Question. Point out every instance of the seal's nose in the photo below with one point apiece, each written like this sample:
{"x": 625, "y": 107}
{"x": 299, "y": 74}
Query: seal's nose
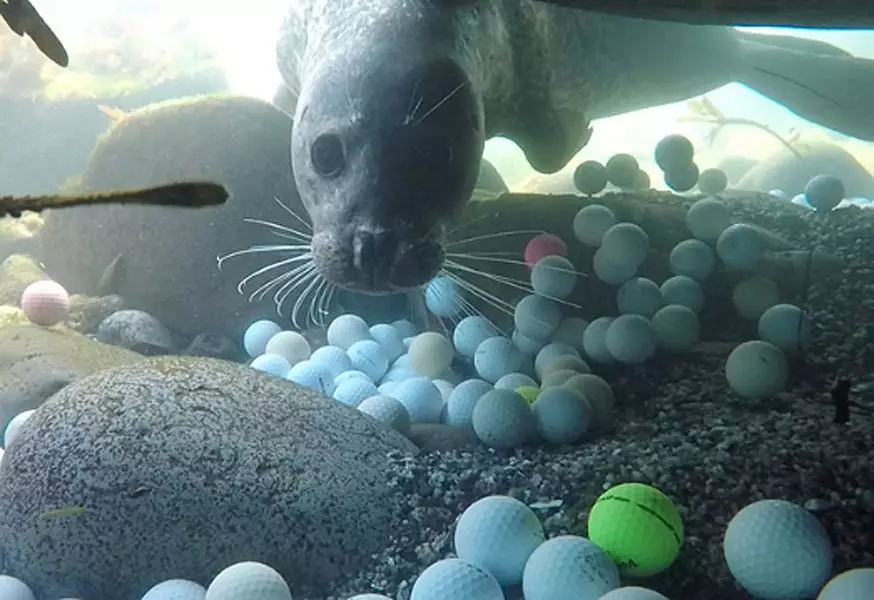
{"x": 384, "y": 261}
{"x": 373, "y": 254}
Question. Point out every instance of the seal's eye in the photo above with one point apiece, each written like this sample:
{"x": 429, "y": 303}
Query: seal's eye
{"x": 326, "y": 155}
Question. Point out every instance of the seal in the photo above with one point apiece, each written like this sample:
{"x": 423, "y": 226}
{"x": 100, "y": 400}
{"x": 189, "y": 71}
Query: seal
{"x": 393, "y": 100}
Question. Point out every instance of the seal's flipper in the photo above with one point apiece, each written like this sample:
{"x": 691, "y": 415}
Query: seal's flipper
{"x": 831, "y": 89}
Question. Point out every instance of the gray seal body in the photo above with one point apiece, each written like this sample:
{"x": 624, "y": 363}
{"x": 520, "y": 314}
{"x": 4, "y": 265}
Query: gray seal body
{"x": 393, "y": 99}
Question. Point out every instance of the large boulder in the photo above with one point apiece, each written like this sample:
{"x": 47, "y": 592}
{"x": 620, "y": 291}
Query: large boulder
{"x": 167, "y": 264}
{"x": 36, "y": 362}
{"x": 179, "y": 467}
{"x": 787, "y": 172}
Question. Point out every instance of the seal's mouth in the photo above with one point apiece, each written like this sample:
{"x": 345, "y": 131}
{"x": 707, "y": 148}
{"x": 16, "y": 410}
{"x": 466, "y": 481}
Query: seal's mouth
{"x": 376, "y": 260}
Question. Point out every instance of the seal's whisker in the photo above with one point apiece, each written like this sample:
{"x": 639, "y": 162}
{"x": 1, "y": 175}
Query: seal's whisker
{"x": 411, "y": 109}
{"x": 262, "y": 291}
{"x": 320, "y": 309}
{"x": 282, "y": 231}
{"x": 508, "y": 281}
{"x": 494, "y": 236}
{"x": 293, "y": 213}
{"x": 293, "y": 281}
{"x": 440, "y": 103}
{"x": 315, "y": 280}
{"x": 487, "y": 297}
{"x": 260, "y": 250}
{"x": 269, "y": 267}
{"x": 508, "y": 261}
{"x": 467, "y": 224}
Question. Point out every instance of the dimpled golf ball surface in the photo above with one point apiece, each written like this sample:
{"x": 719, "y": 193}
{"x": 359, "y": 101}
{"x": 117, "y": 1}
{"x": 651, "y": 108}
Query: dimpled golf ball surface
{"x": 257, "y": 335}
{"x": 463, "y": 399}
{"x": 388, "y": 411}
{"x": 632, "y": 592}
{"x": 537, "y": 317}
{"x": 368, "y": 357}
{"x": 248, "y": 581}
{"x": 442, "y": 297}
{"x": 553, "y": 277}
{"x": 470, "y": 333}
{"x": 14, "y": 425}
{"x": 498, "y": 533}
{"x": 314, "y": 376}
{"x": 353, "y": 390}
{"x": 14, "y": 589}
{"x": 568, "y": 567}
{"x": 563, "y": 415}
{"x": 456, "y": 579}
{"x": 347, "y": 329}
{"x": 855, "y": 584}
{"x": 421, "y": 398}
{"x": 176, "y": 589}
{"x": 334, "y": 358}
{"x": 778, "y": 550}
{"x": 496, "y": 357}
{"x": 502, "y": 419}
{"x": 824, "y": 192}
{"x": 590, "y": 177}
{"x": 272, "y": 364}
{"x": 369, "y": 597}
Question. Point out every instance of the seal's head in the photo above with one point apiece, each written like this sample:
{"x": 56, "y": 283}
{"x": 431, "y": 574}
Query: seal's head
{"x": 386, "y": 146}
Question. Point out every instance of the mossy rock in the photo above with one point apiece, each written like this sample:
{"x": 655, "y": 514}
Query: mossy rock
{"x": 168, "y": 255}
{"x": 785, "y": 171}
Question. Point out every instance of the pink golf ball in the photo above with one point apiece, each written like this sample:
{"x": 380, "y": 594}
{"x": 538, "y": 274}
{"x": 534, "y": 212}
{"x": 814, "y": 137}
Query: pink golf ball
{"x": 545, "y": 244}
{"x": 45, "y": 303}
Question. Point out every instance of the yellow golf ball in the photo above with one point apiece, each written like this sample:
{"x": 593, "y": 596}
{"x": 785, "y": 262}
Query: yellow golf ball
{"x": 528, "y": 392}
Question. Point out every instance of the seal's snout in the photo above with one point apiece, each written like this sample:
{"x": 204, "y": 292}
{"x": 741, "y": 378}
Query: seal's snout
{"x": 376, "y": 260}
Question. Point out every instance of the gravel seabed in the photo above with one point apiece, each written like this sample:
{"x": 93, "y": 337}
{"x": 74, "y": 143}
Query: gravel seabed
{"x": 680, "y": 428}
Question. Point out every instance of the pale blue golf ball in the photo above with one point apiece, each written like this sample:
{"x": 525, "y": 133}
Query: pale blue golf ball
{"x": 421, "y": 398}
{"x": 740, "y": 247}
{"x": 334, "y": 358}
{"x": 405, "y": 328}
{"x": 824, "y": 192}
{"x": 354, "y": 390}
{"x": 257, "y": 335}
{"x": 499, "y": 533}
{"x": 390, "y": 339}
{"x": 456, "y": 579}
{"x": 529, "y": 346}
{"x": 549, "y": 353}
{"x": 855, "y": 584}
{"x": 553, "y": 277}
{"x": 470, "y": 333}
{"x": 272, "y": 364}
{"x": 388, "y": 411}
{"x": 513, "y": 381}
{"x": 176, "y": 589}
{"x": 313, "y": 375}
{"x": 563, "y": 415}
{"x": 684, "y": 291}
{"x": 569, "y": 567}
{"x": 462, "y": 400}
{"x": 369, "y": 357}
{"x": 633, "y": 592}
{"x": 442, "y": 297}
{"x": 496, "y": 357}
{"x": 778, "y": 550}
{"x": 351, "y": 374}
{"x": 537, "y": 317}
{"x": 347, "y": 329}
{"x": 14, "y": 426}
{"x": 502, "y": 419}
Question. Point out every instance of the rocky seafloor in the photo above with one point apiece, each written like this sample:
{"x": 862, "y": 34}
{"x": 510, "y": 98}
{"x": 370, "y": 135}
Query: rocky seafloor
{"x": 679, "y": 427}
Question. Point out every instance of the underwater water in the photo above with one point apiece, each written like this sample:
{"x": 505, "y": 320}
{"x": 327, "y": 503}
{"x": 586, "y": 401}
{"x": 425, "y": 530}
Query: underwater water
{"x": 342, "y": 314}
